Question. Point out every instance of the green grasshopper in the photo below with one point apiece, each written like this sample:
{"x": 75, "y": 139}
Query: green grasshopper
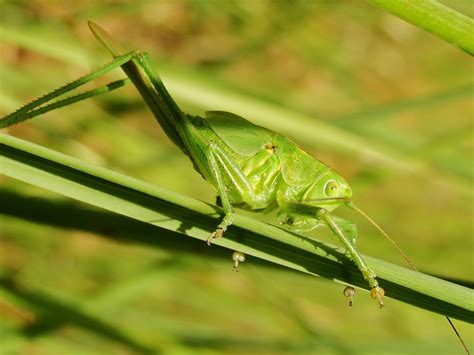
{"x": 250, "y": 167}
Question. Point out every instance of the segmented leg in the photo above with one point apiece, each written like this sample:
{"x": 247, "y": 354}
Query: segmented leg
{"x": 44, "y": 104}
{"x": 376, "y": 291}
{"x": 348, "y": 228}
{"x": 335, "y": 225}
{"x": 229, "y": 213}
{"x": 222, "y": 167}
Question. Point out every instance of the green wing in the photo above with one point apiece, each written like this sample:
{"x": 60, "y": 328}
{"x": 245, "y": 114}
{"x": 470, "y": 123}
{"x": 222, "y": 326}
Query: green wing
{"x": 240, "y": 135}
{"x": 297, "y": 167}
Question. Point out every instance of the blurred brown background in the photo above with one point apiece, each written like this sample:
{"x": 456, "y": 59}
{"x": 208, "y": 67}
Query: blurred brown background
{"x": 402, "y": 96}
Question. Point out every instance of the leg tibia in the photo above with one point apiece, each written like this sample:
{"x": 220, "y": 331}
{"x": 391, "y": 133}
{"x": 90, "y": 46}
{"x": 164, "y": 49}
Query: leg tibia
{"x": 346, "y": 232}
{"x": 223, "y": 195}
{"x": 369, "y": 275}
{"x": 43, "y": 104}
{"x": 347, "y": 227}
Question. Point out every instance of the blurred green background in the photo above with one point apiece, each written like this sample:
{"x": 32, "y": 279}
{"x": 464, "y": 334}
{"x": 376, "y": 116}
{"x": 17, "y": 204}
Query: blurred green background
{"x": 74, "y": 286}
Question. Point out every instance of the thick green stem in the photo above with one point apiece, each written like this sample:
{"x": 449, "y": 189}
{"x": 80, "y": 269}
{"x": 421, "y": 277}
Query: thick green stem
{"x": 166, "y": 210}
{"x": 434, "y": 17}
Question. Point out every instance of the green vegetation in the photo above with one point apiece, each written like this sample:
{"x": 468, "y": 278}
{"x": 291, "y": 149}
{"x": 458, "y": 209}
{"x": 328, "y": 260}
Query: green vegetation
{"x": 386, "y": 104}
{"x": 434, "y": 17}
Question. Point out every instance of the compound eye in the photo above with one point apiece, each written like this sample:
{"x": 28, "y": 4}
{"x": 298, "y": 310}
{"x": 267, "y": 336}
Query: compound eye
{"x": 332, "y": 188}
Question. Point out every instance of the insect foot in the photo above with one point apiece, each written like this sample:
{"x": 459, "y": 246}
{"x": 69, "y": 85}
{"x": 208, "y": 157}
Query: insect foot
{"x": 349, "y": 292}
{"x": 217, "y": 234}
{"x": 377, "y": 293}
{"x": 221, "y": 228}
{"x": 237, "y": 257}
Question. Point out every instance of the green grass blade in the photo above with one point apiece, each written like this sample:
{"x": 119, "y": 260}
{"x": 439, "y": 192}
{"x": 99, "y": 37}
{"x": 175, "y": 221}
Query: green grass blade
{"x": 385, "y": 112}
{"x": 58, "y": 46}
{"x": 434, "y": 17}
{"x": 148, "y": 203}
{"x": 53, "y": 312}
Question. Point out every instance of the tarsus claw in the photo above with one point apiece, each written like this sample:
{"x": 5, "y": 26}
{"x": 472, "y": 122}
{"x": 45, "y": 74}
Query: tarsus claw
{"x": 377, "y": 293}
{"x": 217, "y": 234}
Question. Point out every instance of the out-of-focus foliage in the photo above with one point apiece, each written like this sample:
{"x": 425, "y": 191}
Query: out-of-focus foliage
{"x": 436, "y": 18}
{"x": 345, "y": 64}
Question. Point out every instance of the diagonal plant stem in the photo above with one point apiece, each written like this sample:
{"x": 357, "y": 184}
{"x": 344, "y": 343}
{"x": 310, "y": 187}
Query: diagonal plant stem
{"x": 145, "y": 202}
{"x": 434, "y": 17}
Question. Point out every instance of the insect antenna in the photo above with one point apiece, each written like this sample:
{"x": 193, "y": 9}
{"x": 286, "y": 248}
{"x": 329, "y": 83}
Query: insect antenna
{"x": 400, "y": 251}
{"x": 394, "y": 244}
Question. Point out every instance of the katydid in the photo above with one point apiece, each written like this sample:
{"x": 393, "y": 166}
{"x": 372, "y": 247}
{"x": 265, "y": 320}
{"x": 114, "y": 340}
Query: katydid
{"x": 249, "y": 166}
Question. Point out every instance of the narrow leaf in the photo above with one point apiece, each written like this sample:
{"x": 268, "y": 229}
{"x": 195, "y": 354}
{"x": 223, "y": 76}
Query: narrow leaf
{"x": 436, "y": 18}
{"x": 148, "y": 203}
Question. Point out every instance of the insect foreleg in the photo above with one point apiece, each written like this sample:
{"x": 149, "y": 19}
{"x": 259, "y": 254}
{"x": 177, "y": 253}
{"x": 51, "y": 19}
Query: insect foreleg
{"x": 322, "y": 214}
{"x": 221, "y": 168}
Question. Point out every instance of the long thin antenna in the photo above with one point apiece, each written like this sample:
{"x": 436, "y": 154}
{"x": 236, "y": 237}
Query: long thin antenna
{"x": 400, "y": 251}
{"x": 395, "y": 245}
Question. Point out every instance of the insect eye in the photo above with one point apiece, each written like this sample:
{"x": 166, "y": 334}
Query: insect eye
{"x": 332, "y": 188}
